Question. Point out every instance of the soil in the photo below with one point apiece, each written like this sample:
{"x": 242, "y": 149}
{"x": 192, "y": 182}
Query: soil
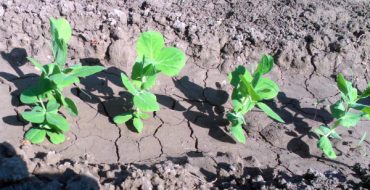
{"x": 187, "y": 144}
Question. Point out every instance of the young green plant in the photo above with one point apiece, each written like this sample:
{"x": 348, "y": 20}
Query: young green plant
{"x": 250, "y": 91}
{"x": 152, "y": 58}
{"x": 347, "y": 112}
{"x": 46, "y": 97}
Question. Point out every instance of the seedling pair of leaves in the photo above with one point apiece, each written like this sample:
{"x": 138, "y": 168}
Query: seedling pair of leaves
{"x": 250, "y": 91}
{"x": 152, "y": 58}
{"x": 347, "y": 112}
{"x": 46, "y": 97}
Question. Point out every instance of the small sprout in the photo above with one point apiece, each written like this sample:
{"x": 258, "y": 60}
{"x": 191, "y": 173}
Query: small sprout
{"x": 250, "y": 91}
{"x": 152, "y": 58}
{"x": 347, "y": 112}
{"x": 46, "y": 97}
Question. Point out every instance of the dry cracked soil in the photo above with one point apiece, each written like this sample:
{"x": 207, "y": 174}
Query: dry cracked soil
{"x": 186, "y": 145}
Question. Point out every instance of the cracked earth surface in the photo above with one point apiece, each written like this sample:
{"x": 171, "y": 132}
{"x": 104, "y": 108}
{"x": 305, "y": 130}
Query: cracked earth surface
{"x": 311, "y": 41}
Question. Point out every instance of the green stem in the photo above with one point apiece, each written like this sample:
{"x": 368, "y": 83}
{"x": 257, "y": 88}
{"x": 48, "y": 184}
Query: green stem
{"x": 42, "y": 103}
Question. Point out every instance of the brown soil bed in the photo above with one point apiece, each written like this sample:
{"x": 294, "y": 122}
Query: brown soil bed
{"x": 187, "y": 144}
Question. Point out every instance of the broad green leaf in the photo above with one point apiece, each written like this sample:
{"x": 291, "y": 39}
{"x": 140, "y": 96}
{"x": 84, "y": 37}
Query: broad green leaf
{"x": 52, "y": 107}
{"x": 249, "y": 88}
{"x": 138, "y": 124}
{"x": 57, "y": 120}
{"x": 123, "y": 118}
{"x": 55, "y": 137}
{"x": 337, "y": 109}
{"x": 59, "y": 97}
{"x": 325, "y": 145}
{"x": 349, "y": 119}
{"x": 266, "y": 89}
{"x": 238, "y": 133}
{"x": 234, "y": 77}
{"x": 85, "y": 71}
{"x": 343, "y": 84}
{"x": 149, "y": 82}
{"x": 35, "y": 135}
{"x": 36, "y": 64}
{"x": 269, "y": 112}
{"x": 71, "y": 107}
{"x": 149, "y": 45}
{"x": 256, "y": 79}
{"x": 128, "y": 85}
{"x": 62, "y": 80}
{"x": 146, "y": 101}
{"x": 352, "y": 95}
{"x": 324, "y": 131}
{"x": 61, "y": 29}
{"x": 248, "y": 106}
{"x": 61, "y": 33}
{"x": 169, "y": 61}
{"x": 265, "y": 65}
{"x": 29, "y": 96}
{"x": 37, "y": 115}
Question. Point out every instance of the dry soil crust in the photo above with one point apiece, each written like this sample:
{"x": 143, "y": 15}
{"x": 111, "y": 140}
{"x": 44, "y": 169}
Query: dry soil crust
{"x": 311, "y": 42}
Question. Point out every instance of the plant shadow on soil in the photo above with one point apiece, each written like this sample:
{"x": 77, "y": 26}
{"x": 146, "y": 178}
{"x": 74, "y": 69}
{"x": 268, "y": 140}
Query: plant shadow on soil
{"x": 16, "y": 58}
{"x": 14, "y": 174}
{"x": 209, "y": 112}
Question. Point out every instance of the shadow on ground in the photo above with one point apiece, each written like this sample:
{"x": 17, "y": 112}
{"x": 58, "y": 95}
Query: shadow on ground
{"x": 209, "y": 112}
{"x": 14, "y": 174}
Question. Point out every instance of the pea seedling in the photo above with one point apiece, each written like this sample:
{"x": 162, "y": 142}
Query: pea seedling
{"x": 152, "y": 58}
{"x": 347, "y": 113}
{"x": 249, "y": 91}
{"x": 46, "y": 96}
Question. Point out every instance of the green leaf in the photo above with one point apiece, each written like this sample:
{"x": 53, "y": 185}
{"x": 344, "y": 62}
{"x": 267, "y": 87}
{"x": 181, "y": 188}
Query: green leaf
{"x": 266, "y": 89}
{"x": 123, "y": 118}
{"x": 325, "y": 145}
{"x": 249, "y": 88}
{"x": 35, "y": 135}
{"x": 138, "y": 124}
{"x": 52, "y": 106}
{"x": 29, "y": 96}
{"x": 36, "y": 64}
{"x": 62, "y": 80}
{"x": 146, "y": 101}
{"x": 149, "y": 45}
{"x": 349, "y": 119}
{"x": 169, "y": 61}
{"x": 265, "y": 65}
{"x": 234, "y": 77}
{"x": 55, "y": 137}
{"x": 269, "y": 112}
{"x": 149, "y": 82}
{"x": 238, "y": 133}
{"x": 84, "y": 71}
{"x": 128, "y": 85}
{"x": 337, "y": 109}
{"x": 61, "y": 29}
{"x": 343, "y": 84}
{"x": 71, "y": 107}
{"x": 58, "y": 121}
{"x": 37, "y": 115}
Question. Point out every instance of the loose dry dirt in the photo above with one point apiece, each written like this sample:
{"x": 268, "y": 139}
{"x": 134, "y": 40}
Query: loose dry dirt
{"x": 187, "y": 144}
